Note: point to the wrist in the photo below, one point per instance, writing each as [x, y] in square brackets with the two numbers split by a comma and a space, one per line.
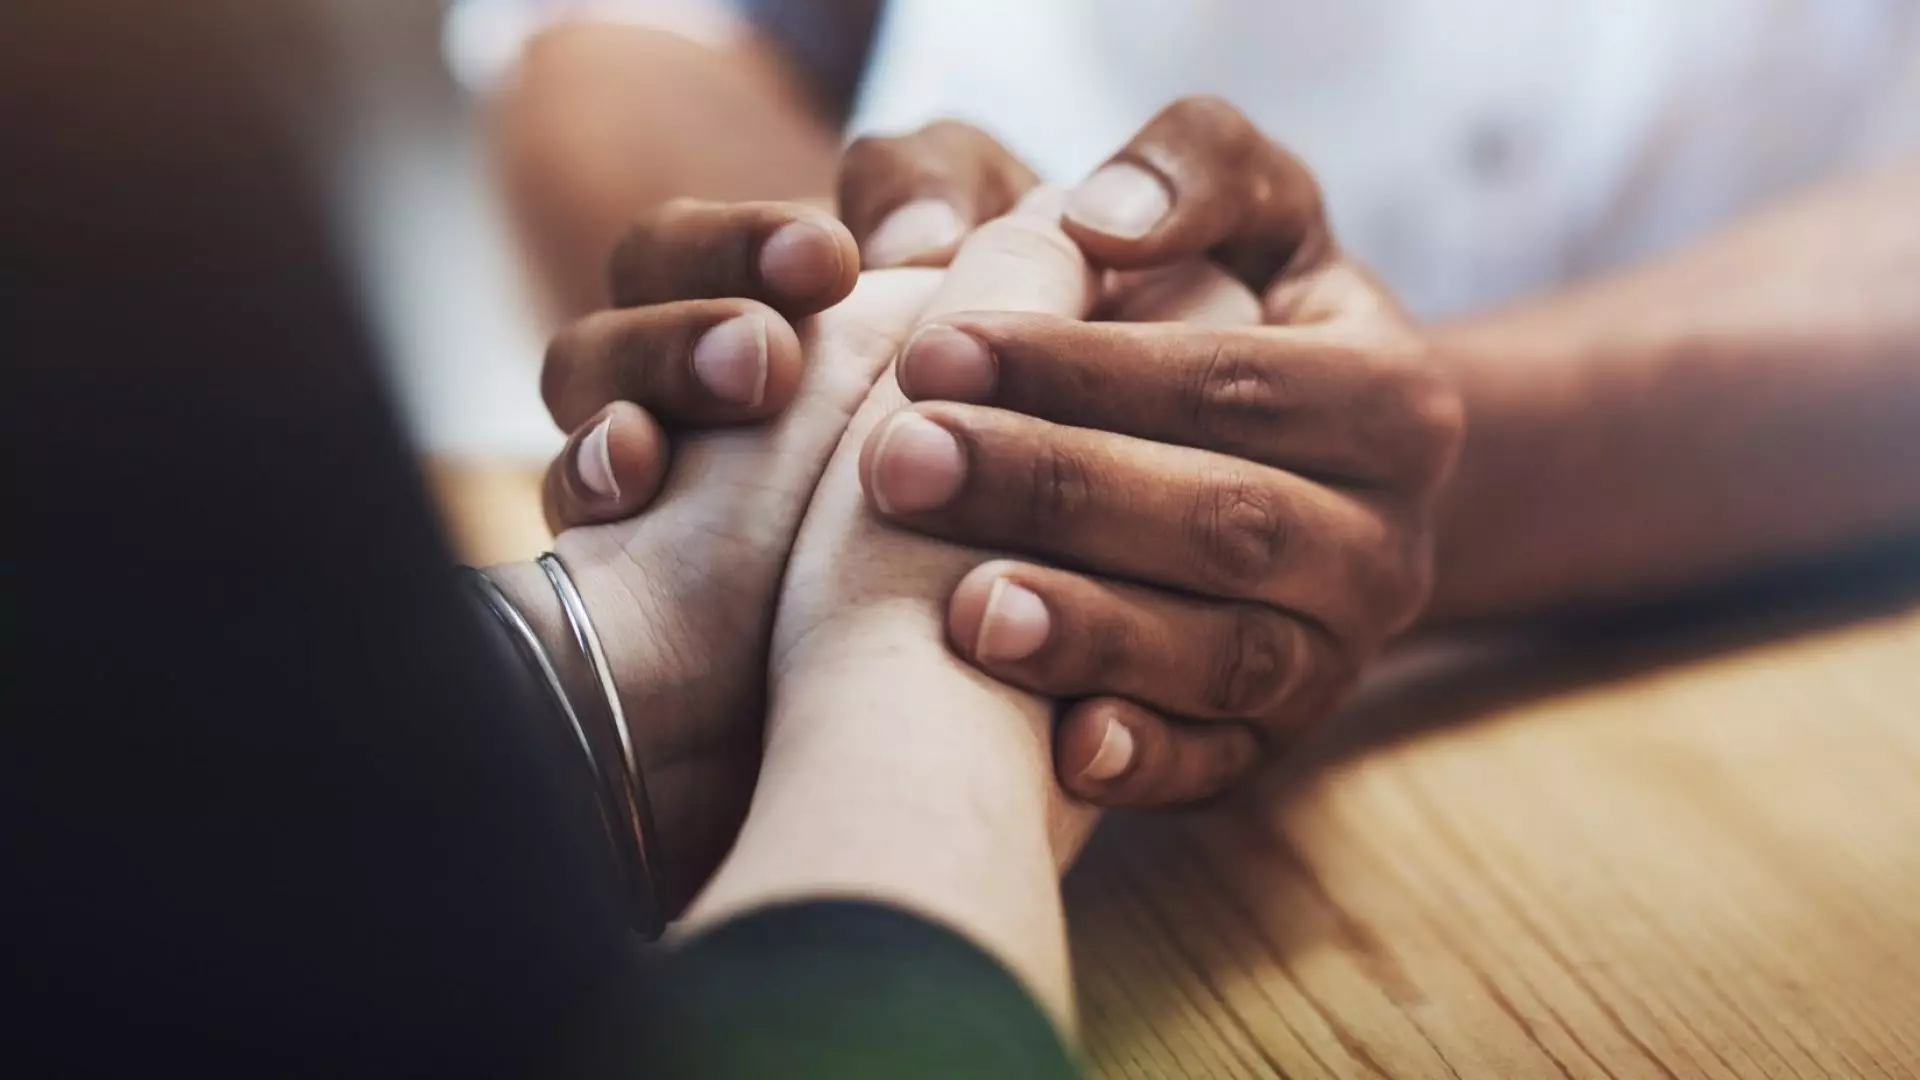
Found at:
[895, 775]
[1544, 420]
[679, 700]
[561, 642]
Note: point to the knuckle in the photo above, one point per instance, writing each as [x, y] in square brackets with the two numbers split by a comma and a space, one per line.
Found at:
[1220, 133]
[1394, 583]
[874, 170]
[1411, 418]
[887, 163]
[633, 269]
[678, 208]
[950, 132]
[1029, 248]
[1251, 670]
[1111, 647]
[1441, 416]
[868, 152]
[1295, 182]
[1209, 111]
[1059, 487]
[1432, 420]
[634, 361]
[978, 156]
[1325, 675]
[641, 235]
[986, 158]
[1238, 393]
[1241, 536]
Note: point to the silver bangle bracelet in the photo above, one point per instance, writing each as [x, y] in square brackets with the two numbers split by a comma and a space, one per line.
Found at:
[599, 726]
[622, 782]
[530, 646]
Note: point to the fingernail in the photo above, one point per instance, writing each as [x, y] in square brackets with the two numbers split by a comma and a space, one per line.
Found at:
[594, 462]
[1014, 625]
[800, 259]
[943, 363]
[918, 466]
[1115, 755]
[1121, 200]
[913, 231]
[731, 360]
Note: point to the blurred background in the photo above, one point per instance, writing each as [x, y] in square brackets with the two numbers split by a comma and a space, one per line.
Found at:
[1474, 151]
[431, 238]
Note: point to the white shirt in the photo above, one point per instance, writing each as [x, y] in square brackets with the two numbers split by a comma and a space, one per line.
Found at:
[1472, 150]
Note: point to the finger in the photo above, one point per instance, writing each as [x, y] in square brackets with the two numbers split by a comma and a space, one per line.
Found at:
[610, 469]
[910, 199]
[792, 256]
[1201, 179]
[1148, 512]
[1356, 409]
[1020, 261]
[1066, 636]
[700, 363]
[1117, 754]
[1196, 293]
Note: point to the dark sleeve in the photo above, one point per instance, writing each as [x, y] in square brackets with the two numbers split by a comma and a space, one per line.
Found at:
[281, 812]
[833, 990]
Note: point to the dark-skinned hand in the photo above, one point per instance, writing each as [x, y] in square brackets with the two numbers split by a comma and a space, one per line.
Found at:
[1233, 501]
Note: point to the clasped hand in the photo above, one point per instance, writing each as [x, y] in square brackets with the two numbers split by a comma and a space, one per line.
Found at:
[1225, 481]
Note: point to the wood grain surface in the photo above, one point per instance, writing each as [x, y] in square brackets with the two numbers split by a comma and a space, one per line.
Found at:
[1664, 849]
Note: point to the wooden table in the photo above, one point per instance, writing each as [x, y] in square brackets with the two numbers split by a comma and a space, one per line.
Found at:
[1672, 851]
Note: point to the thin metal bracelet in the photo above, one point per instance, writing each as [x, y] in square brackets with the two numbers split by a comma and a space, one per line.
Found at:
[627, 827]
[529, 642]
[627, 782]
